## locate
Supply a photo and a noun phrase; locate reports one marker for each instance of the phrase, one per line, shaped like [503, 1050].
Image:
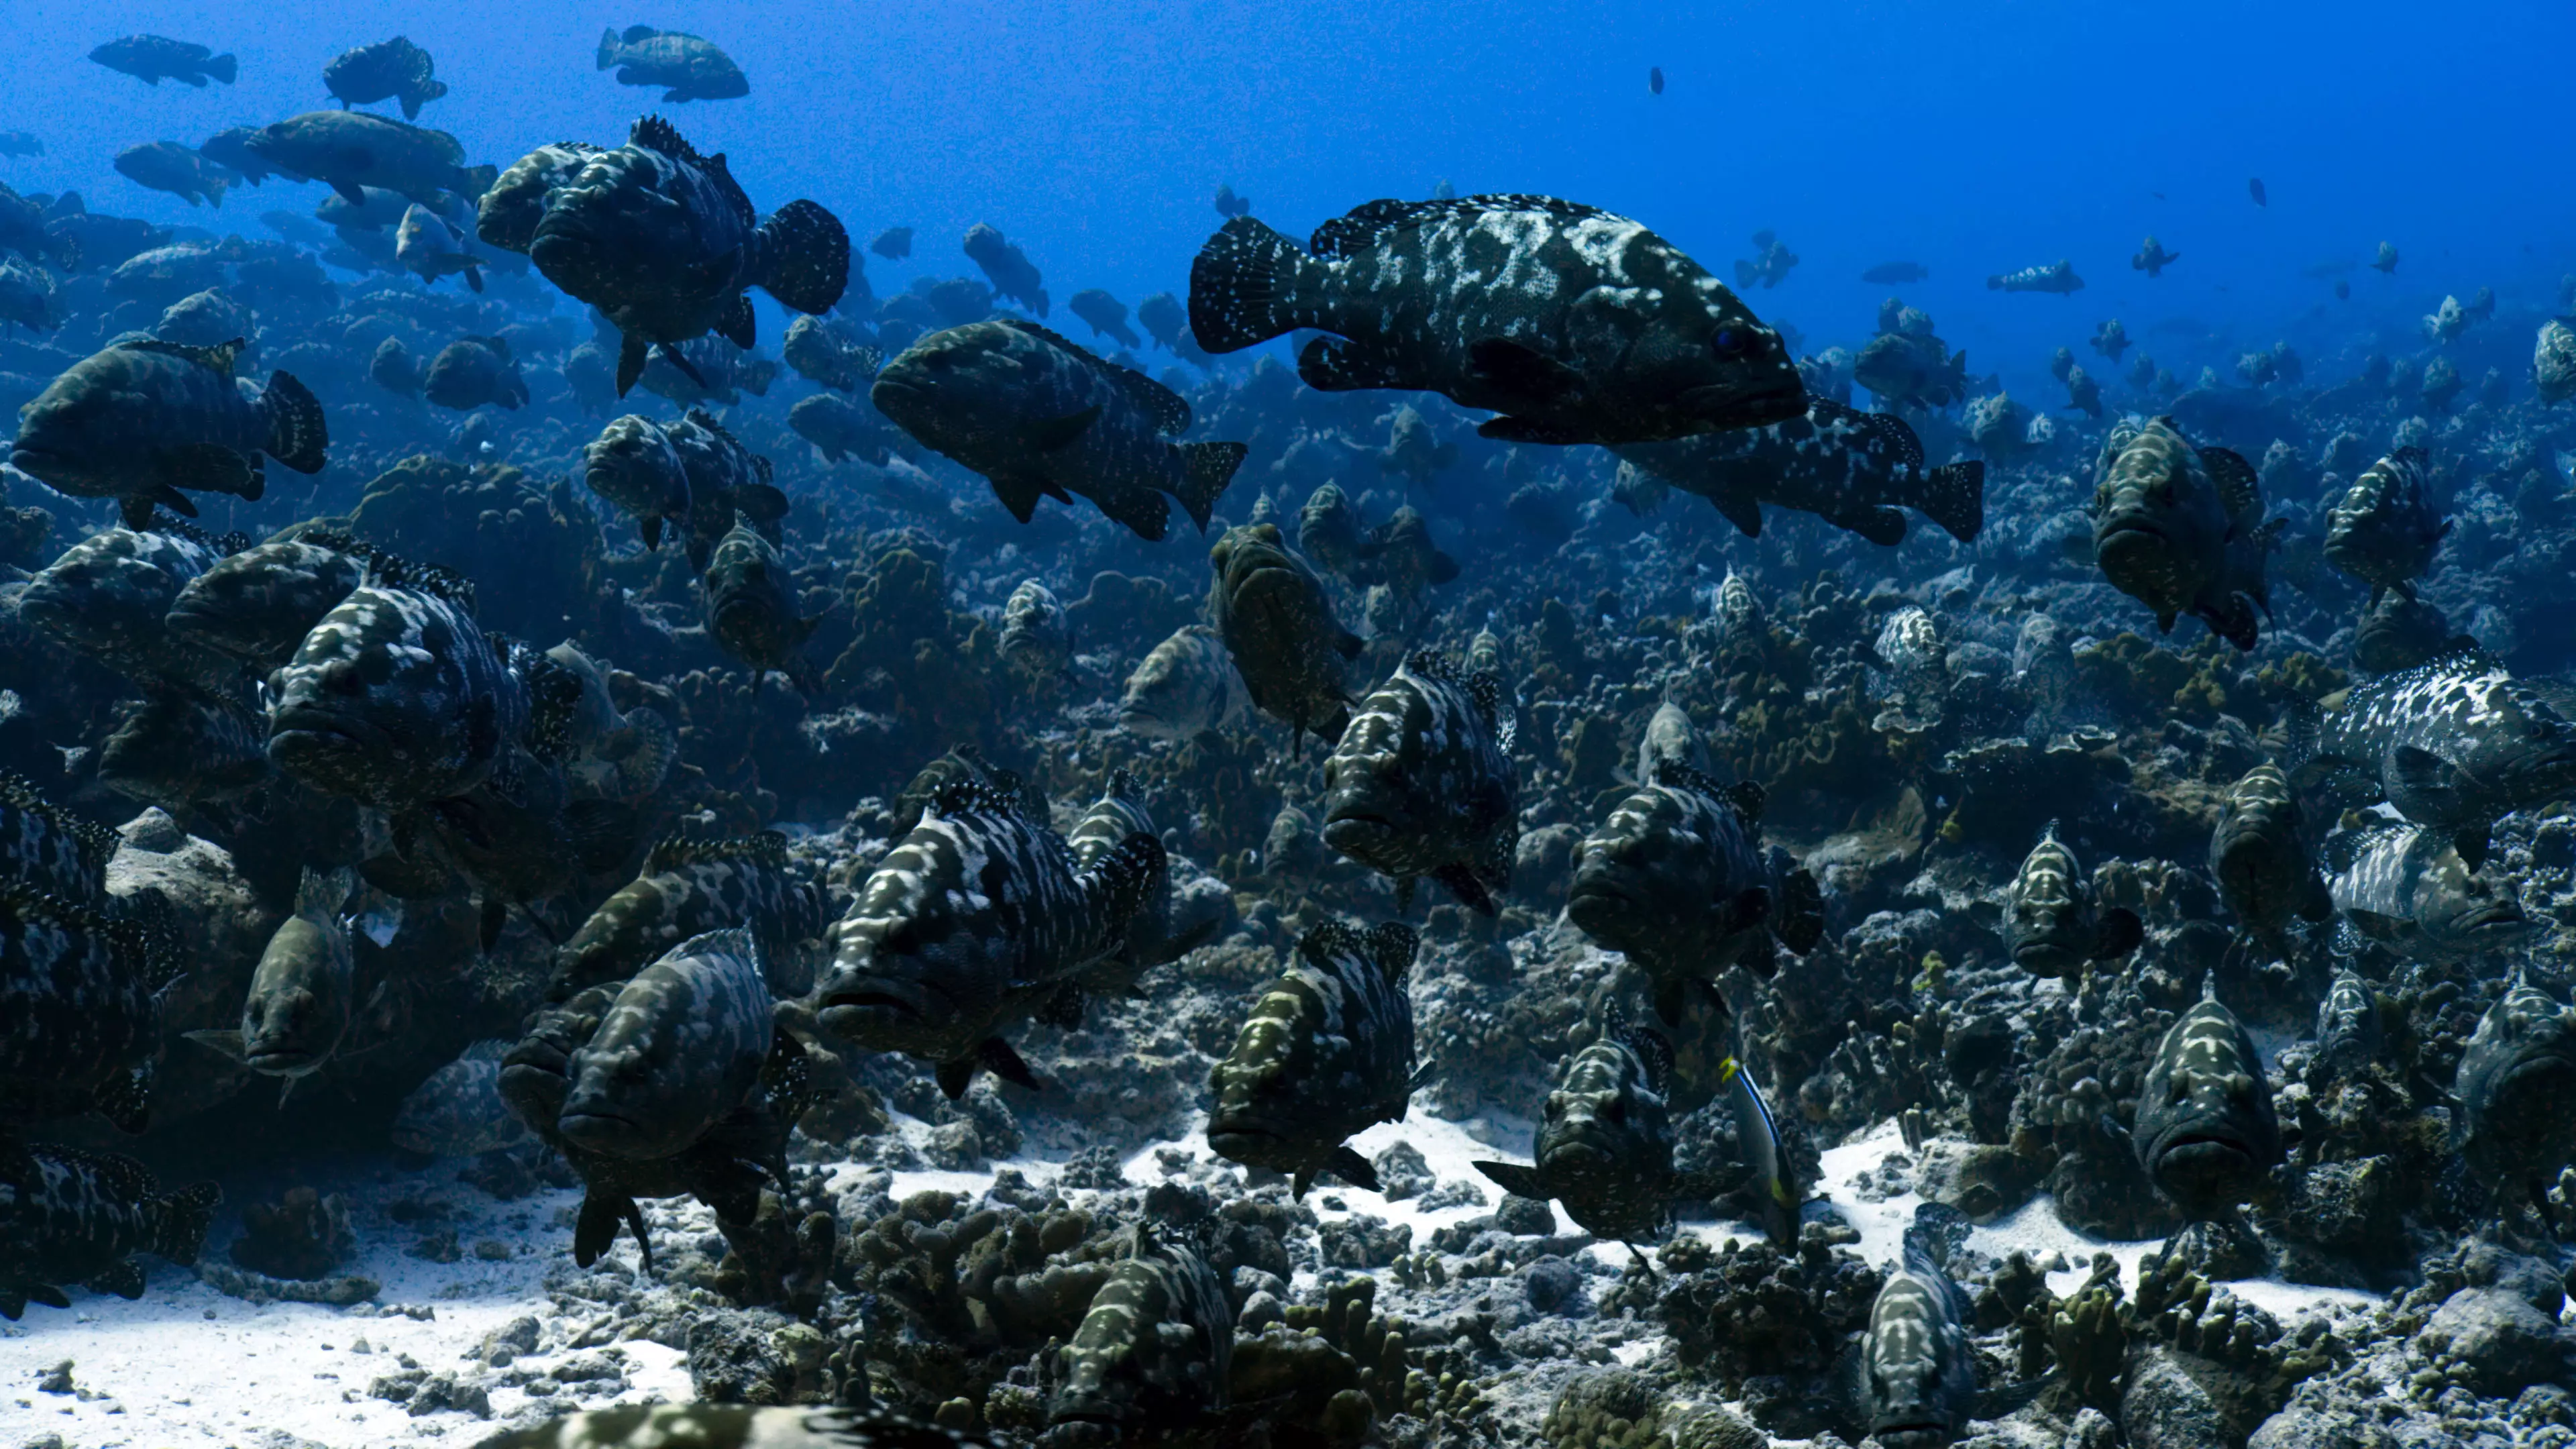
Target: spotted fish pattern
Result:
[1679, 880]
[2348, 1024]
[1326, 1052]
[1156, 1346]
[2264, 859]
[2052, 926]
[145, 422]
[1919, 1369]
[48, 848]
[686, 888]
[2204, 1129]
[109, 597]
[256, 606]
[664, 243]
[2516, 1077]
[1040, 416]
[2384, 529]
[734, 1426]
[2180, 529]
[1604, 1147]
[1278, 625]
[2410, 889]
[979, 916]
[1576, 325]
[2454, 743]
[1856, 470]
[1185, 687]
[80, 1015]
[751, 608]
[396, 698]
[68, 1216]
[1422, 782]
[458, 1110]
[1037, 638]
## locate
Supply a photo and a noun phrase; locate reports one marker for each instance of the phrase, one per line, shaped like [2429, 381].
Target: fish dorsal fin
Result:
[676, 850]
[19, 793]
[633, 33]
[1171, 411]
[384, 571]
[1392, 945]
[715, 166]
[655, 134]
[2238, 489]
[997, 794]
[218, 357]
[1654, 1050]
[490, 1049]
[2413, 456]
[1354, 230]
[1681, 775]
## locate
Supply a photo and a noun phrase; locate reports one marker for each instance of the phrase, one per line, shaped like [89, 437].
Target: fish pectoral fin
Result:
[735, 323]
[1020, 493]
[1055, 433]
[495, 916]
[651, 530]
[2119, 933]
[1521, 370]
[632, 352]
[1736, 506]
[680, 360]
[1352, 1168]
[350, 191]
[1463, 884]
[227, 1040]
[122, 1278]
[2471, 842]
[596, 1227]
[1514, 1179]
[1510, 429]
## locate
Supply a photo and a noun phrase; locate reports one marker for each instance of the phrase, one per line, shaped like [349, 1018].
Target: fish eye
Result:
[1731, 342]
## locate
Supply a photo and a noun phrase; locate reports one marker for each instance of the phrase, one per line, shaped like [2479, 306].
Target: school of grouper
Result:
[860, 798]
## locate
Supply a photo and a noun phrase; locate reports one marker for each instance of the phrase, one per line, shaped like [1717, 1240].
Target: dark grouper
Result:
[2516, 1078]
[1154, 1351]
[664, 242]
[1917, 1381]
[1578, 326]
[147, 422]
[1852, 469]
[974, 920]
[1278, 626]
[1605, 1142]
[644, 1087]
[397, 697]
[257, 605]
[1422, 782]
[1038, 415]
[2180, 529]
[1679, 881]
[2204, 1129]
[1326, 1053]
[68, 1216]
[688, 887]
[80, 1010]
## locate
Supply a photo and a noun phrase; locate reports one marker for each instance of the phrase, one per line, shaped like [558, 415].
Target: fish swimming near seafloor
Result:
[1604, 1147]
[1853, 469]
[1278, 625]
[1155, 1349]
[1577, 326]
[147, 422]
[2052, 924]
[2205, 1130]
[2515, 1079]
[2384, 529]
[68, 1216]
[2180, 529]
[1422, 782]
[1326, 1052]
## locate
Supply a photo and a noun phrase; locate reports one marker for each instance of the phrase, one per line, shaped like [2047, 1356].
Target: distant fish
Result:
[2254, 188]
[1186, 687]
[2052, 924]
[688, 67]
[149, 58]
[458, 1110]
[1012, 273]
[2385, 529]
[2385, 261]
[1896, 274]
[1851, 468]
[389, 70]
[1230, 205]
[171, 167]
[894, 243]
[2152, 258]
[2057, 277]
[20, 143]
[1655, 79]
[1107, 316]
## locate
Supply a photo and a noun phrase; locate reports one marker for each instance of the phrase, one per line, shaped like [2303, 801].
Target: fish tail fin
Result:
[224, 68]
[808, 256]
[1955, 498]
[297, 433]
[607, 50]
[214, 191]
[179, 1234]
[1245, 286]
[322, 893]
[1210, 467]
[1799, 912]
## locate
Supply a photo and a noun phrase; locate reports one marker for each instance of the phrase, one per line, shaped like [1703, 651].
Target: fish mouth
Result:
[1913, 1432]
[2491, 918]
[1726, 406]
[1248, 1141]
[1349, 828]
[2044, 958]
[305, 727]
[875, 1011]
[597, 1129]
[282, 1061]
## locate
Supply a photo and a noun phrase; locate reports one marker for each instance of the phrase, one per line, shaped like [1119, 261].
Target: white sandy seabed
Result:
[188, 1365]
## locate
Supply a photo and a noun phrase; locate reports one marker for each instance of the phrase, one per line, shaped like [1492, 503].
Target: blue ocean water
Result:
[1973, 137]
